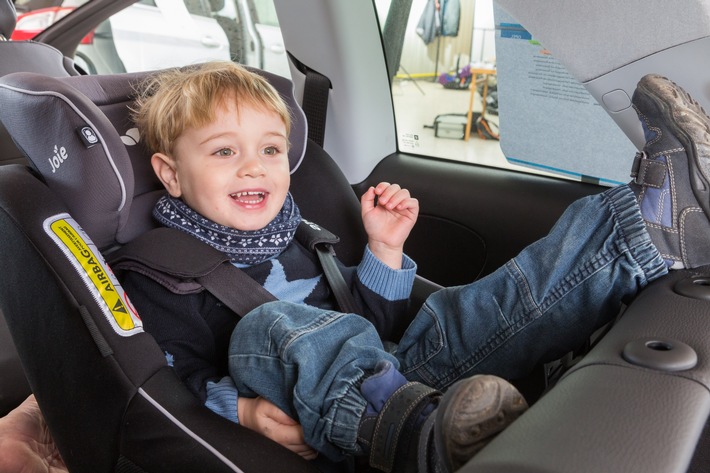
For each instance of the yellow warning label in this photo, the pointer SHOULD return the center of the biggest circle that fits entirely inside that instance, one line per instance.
(95, 270)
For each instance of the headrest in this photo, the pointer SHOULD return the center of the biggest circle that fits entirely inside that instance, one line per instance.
(82, 142)
(8, 18)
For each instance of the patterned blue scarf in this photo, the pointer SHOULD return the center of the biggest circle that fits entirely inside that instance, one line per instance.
(247, 247)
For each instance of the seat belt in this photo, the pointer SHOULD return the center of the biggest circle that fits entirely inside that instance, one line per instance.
(315, 107)
(202, 266)
(320, 240)
(315, 104)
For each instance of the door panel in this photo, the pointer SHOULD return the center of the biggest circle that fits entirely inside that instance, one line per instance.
(473, 218)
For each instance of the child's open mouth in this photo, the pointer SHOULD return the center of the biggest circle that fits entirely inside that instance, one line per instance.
(249, 197)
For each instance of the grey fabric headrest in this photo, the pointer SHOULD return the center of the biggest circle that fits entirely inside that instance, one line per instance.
(8, 18)
(82, 142)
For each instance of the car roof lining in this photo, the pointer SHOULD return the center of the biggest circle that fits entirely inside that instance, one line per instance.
(599, 27)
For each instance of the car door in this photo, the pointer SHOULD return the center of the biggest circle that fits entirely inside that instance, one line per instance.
(267, 26)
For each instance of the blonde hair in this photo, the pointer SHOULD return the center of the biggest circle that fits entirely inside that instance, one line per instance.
(172, 100)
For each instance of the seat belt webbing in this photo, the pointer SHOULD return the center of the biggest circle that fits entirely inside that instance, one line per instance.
(315, 104)
(335, 279)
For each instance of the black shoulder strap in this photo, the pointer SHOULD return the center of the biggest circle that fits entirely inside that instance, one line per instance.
(315, 104)
(153, 254)
(320, 240)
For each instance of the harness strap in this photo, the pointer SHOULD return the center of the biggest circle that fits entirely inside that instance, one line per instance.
(320, 240)
(201, 266)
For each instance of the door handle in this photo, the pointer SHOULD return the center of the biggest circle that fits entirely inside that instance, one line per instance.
(209, 42)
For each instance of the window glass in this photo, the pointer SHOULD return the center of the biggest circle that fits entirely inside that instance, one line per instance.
(266, 13)
(155, 34)
(445, 66)
(33, 16)
(198, 7)
(446, 69)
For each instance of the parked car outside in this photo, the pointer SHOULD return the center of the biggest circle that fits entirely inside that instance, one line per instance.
(146, 35)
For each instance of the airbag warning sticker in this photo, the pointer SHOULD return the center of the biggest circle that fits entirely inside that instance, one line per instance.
(98, 277)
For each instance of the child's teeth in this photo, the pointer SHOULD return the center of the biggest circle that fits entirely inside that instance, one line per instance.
(258, 196)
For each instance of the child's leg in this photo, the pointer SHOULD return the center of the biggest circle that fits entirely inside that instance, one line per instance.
(550, 298)
(541, 304)
(310, 363)
(329, 371)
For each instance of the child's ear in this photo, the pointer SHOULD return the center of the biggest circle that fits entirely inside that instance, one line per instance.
(164, 167)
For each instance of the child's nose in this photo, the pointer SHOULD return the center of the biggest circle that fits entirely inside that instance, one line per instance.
(250, 166)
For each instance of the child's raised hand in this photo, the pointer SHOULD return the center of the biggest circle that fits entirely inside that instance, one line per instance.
(389, 222)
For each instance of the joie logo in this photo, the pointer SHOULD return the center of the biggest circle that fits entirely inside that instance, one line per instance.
(60, 155)
(131, 138)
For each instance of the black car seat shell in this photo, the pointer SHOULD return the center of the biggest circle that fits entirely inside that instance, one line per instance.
(104, 386)
(17, 56)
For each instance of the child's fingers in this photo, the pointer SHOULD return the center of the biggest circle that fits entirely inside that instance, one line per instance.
(389, 195)
(410, 203)
(399, 199)
(368, 198)
(304, 451)
(393, 197)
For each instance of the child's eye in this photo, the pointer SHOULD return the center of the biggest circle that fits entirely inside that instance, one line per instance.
(225, 152)
(271, 151)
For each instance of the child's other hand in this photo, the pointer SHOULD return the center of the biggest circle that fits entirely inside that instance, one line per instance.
(262, 416)
(389, 222)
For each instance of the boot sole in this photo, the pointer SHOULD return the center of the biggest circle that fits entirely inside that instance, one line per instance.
(471, 413)
(690, 124)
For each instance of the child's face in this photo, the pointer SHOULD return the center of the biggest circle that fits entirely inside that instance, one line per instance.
(234, 171)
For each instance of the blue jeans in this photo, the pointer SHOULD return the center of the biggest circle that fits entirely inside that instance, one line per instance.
(537, 307)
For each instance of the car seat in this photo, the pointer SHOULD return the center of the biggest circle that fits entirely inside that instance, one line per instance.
(110, 400)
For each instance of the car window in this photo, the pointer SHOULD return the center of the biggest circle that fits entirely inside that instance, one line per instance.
(265, 13)
(446, 65)
(198, 7)
(155, 34)
(164, 33)
(33, 16)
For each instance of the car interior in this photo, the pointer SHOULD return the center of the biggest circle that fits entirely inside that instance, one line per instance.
(635, 399)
